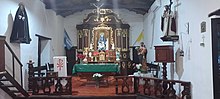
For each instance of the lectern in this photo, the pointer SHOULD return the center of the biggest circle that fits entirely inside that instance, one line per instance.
(165, 55)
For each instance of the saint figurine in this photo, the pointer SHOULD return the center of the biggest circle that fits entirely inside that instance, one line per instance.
(168, 22)
(142, 53)
(91, 46)
(102, 42)
(20, 31)
(113, 46)
(117, 55)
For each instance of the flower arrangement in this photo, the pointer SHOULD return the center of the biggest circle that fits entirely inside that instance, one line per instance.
(81, 56)
(141, 68)
(97, 76)
(95, 53)
(138, 66)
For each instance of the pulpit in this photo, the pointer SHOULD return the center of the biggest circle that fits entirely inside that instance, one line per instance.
(165, 55)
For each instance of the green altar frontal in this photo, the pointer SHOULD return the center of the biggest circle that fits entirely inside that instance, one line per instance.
(89, 68)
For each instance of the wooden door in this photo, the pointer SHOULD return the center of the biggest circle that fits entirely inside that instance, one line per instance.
(216, 56)
(71, 59)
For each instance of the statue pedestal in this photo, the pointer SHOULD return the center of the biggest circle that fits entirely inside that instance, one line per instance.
(170, 38)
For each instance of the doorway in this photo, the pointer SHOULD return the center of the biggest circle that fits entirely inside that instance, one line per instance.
(215, 23)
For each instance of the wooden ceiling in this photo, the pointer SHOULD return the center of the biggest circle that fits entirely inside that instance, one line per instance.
(69, 7)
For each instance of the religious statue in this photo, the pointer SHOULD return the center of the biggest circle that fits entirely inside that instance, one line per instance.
(113, 46)
(142, 53)
(90, 54)
(168, 22)
(91, 47)
(102, 42)
(20, 31)
(117, 55)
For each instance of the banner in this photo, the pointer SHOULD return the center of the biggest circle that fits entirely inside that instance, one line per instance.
(67, 41)
(140, 37)
(60, 65)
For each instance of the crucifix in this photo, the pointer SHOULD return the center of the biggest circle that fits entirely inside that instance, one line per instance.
(177, 5)
(98, 10)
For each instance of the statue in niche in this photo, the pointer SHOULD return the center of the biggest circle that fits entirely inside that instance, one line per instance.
(102, 42)
(91, 47)
(113, 46)
(117, 55)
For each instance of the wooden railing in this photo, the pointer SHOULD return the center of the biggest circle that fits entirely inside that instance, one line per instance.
(3, 43)
(52, 85)
(158, 88)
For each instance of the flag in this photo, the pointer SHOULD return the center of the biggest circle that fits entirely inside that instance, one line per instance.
(140, 37)
(67, 41)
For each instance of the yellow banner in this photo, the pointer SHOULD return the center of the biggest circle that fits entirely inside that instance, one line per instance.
(140, 37)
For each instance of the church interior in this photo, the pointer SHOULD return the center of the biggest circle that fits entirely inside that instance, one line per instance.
(109, 49)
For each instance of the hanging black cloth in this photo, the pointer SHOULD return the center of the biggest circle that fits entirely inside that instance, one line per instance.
(20, 31)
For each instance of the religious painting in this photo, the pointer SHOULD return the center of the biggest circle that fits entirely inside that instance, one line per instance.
(102, 39)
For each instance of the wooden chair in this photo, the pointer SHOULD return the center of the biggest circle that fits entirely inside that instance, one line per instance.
(50, 71)
(41, 71)
(154, 69)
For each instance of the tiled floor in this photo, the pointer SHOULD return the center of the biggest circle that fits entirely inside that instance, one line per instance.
(83, 87)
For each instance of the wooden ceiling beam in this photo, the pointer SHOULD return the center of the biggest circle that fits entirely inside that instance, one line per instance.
(66, 7)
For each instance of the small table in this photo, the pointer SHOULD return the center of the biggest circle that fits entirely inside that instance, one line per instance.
(87, 71)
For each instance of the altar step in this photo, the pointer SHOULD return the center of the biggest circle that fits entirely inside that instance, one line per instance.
(11, 86)
(89, 97)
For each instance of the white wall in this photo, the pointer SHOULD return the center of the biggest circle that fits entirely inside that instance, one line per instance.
(4, 95)
(41, 21)
(128, 17)
(197, 60)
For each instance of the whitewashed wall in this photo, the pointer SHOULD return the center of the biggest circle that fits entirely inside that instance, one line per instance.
(128, 17)
(4, 95)
(197, 59)
(41, 21)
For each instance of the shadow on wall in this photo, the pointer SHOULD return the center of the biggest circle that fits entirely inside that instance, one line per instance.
(9, 29)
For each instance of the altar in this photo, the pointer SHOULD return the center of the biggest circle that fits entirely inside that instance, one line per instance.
(96, 68)
(87, 71)
(103, 38)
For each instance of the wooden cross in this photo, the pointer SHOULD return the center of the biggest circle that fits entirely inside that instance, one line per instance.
(177, 4)
(98, 9)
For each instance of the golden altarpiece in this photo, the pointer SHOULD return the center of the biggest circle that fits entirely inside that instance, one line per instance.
(103, 38)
